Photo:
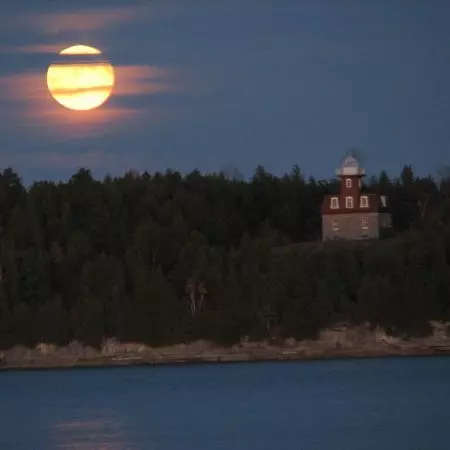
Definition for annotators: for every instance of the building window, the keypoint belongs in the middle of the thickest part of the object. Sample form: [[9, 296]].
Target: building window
[[348, 182], [349, 202], [335, 225], [364, 222], [388, 222], [383, 201], [334, 203], [364, 202]]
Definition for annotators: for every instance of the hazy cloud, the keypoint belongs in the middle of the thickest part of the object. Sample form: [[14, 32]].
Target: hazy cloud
[[87, 19], [142, 79], [98, 160], [25, 98], [35, 48], [92, 159], [129, 80]]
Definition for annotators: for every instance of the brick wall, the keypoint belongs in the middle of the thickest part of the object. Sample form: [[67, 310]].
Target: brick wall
[[349, 226]]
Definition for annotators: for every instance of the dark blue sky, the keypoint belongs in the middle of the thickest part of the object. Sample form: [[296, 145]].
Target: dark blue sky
[[203, 84]]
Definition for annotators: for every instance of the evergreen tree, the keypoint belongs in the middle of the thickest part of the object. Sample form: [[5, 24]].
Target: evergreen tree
[[164, 258]]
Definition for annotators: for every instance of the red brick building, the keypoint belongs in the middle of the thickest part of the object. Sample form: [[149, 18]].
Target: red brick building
[[353, 214]]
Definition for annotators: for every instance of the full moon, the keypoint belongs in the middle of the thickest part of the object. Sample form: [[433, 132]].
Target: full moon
[[81, 79]]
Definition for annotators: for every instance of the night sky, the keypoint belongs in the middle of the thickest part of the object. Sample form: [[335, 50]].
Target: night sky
[[205, 84]]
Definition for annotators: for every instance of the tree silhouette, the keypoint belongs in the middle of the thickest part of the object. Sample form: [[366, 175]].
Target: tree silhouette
[[164, 258]]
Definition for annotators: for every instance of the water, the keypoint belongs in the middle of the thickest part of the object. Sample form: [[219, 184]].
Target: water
[[401, 404]]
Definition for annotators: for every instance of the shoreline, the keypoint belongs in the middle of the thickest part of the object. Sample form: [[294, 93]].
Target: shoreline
[[220, 355]]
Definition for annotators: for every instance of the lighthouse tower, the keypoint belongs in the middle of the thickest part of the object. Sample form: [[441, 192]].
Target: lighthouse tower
[[352, 213], [351, 175]]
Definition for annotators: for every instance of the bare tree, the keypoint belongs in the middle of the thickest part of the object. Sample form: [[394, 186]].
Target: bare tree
[[190, 291], [196, 292], [231, 172]]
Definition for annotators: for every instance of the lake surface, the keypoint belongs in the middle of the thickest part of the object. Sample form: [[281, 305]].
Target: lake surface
[[394, 403]]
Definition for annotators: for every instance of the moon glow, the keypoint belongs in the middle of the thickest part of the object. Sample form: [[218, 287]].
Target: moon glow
[[80, 79]]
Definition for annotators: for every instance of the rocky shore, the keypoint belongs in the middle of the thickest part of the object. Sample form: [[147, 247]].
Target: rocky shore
[[332, 343]]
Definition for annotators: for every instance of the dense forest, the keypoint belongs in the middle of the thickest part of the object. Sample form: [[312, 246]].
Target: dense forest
[[164, 258]]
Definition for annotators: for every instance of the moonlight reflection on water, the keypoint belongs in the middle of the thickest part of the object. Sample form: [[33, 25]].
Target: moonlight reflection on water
[[95, 433]]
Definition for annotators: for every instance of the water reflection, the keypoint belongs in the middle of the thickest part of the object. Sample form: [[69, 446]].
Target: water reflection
[[89, 434]]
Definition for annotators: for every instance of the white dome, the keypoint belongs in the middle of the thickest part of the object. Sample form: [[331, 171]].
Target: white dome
[[350, 166], [350, 161]]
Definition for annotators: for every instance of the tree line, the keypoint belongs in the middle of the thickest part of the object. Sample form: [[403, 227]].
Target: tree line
[[164, 258]]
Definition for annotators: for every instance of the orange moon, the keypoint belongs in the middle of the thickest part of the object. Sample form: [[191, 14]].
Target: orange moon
[[82, 81]]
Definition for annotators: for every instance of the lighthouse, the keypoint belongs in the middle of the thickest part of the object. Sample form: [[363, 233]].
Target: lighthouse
[[352, 213]]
